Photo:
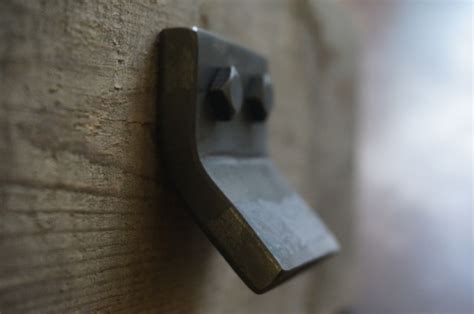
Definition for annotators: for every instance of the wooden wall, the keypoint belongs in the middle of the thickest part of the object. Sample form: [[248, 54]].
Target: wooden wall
[[88, 222]]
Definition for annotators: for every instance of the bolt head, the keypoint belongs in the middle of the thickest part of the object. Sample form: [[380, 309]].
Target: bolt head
[[226, 93], [259, 97]]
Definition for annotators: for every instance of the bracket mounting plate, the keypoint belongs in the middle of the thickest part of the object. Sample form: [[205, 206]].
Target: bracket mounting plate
[[221, 167]]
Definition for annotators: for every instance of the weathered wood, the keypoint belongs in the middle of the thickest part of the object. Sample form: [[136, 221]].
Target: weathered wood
[[88, 220]]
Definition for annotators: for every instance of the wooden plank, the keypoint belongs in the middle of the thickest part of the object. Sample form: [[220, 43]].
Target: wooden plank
[[88, 220]]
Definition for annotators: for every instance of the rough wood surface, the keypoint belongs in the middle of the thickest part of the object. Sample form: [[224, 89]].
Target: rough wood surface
[[88, 222]]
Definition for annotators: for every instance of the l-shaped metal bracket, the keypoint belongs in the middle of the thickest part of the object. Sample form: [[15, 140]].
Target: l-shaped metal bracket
[[215, 99]]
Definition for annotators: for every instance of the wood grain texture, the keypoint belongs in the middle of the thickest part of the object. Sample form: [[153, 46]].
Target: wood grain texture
[[88, 220]]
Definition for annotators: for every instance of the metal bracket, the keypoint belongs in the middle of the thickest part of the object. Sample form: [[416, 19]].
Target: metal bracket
[[216, 97]]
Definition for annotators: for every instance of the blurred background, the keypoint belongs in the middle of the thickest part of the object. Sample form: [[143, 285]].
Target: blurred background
[[414, 156]]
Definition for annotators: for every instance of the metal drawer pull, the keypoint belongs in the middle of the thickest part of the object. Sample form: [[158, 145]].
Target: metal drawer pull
[[215, 99]]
